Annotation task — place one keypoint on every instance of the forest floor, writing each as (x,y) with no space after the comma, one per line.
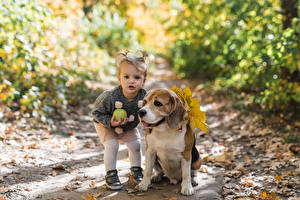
(245,155)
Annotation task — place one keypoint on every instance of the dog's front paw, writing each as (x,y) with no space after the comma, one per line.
(187,190)
(157,178)
(143,185)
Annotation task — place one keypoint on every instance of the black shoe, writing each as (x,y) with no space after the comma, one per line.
(112,180)
(137,173)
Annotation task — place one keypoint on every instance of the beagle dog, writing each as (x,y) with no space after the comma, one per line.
(170,142)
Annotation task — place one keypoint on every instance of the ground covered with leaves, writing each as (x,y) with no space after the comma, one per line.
(261,153)
(256,156)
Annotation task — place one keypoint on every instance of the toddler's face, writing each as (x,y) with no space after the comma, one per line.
(131,79)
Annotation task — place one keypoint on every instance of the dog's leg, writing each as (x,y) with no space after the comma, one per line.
(158,173)
(186,185)
(194,177)
(150,159)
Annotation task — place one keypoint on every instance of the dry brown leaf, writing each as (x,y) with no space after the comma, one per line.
(131,181)
(24,148)
(9,130)
(293,148)
(289,173)
(2,198)
(58,166)
(131,191)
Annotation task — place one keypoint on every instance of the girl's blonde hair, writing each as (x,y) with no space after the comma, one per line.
(135,58)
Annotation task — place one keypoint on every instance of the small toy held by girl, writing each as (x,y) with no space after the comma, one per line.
(122,102)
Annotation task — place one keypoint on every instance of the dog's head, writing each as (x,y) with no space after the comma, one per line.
(161,105)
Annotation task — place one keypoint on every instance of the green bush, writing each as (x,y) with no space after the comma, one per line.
(24,26)
(109,31)
(243,46)
(45,61)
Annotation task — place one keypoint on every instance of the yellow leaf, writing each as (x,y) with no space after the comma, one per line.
(204,170)
(88,197)
(92,184)
(278,178)
(263,195)
(195,115)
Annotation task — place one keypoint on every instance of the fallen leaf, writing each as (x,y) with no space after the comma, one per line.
(47,136)
(24,148)
(92,185)
(131,181)
(88,197)
(217,158)
(131,191)
(204,170)
(71,132)
(58,167)
(278,178)
(96,195)
(2,198)
(288,173)
(265,196)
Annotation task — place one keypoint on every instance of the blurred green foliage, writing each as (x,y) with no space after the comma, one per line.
(108,30)
(242,46)
(48,52)
(46,59)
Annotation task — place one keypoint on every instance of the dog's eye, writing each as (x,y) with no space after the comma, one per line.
(144,102)
(157,103)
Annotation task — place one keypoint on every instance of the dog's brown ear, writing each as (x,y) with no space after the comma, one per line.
(177,115)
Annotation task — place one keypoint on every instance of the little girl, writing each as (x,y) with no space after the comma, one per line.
(132,72)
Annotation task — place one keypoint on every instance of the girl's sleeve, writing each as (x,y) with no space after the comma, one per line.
(102,111)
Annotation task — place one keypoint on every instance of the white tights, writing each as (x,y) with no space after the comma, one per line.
(111,148)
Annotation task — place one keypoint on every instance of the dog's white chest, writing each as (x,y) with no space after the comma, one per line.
(169,142)
(168,147)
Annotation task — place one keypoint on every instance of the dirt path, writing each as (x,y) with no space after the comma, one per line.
(243,158)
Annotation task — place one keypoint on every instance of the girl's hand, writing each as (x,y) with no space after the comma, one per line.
(114,123)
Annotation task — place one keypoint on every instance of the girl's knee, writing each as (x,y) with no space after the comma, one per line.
(134,145)
(111,144)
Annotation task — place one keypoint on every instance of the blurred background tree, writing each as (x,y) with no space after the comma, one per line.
(51,50)
(250,47)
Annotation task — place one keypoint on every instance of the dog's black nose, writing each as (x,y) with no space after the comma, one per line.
(142,113)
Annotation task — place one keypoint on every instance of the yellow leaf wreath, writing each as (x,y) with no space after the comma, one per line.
(195,115)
